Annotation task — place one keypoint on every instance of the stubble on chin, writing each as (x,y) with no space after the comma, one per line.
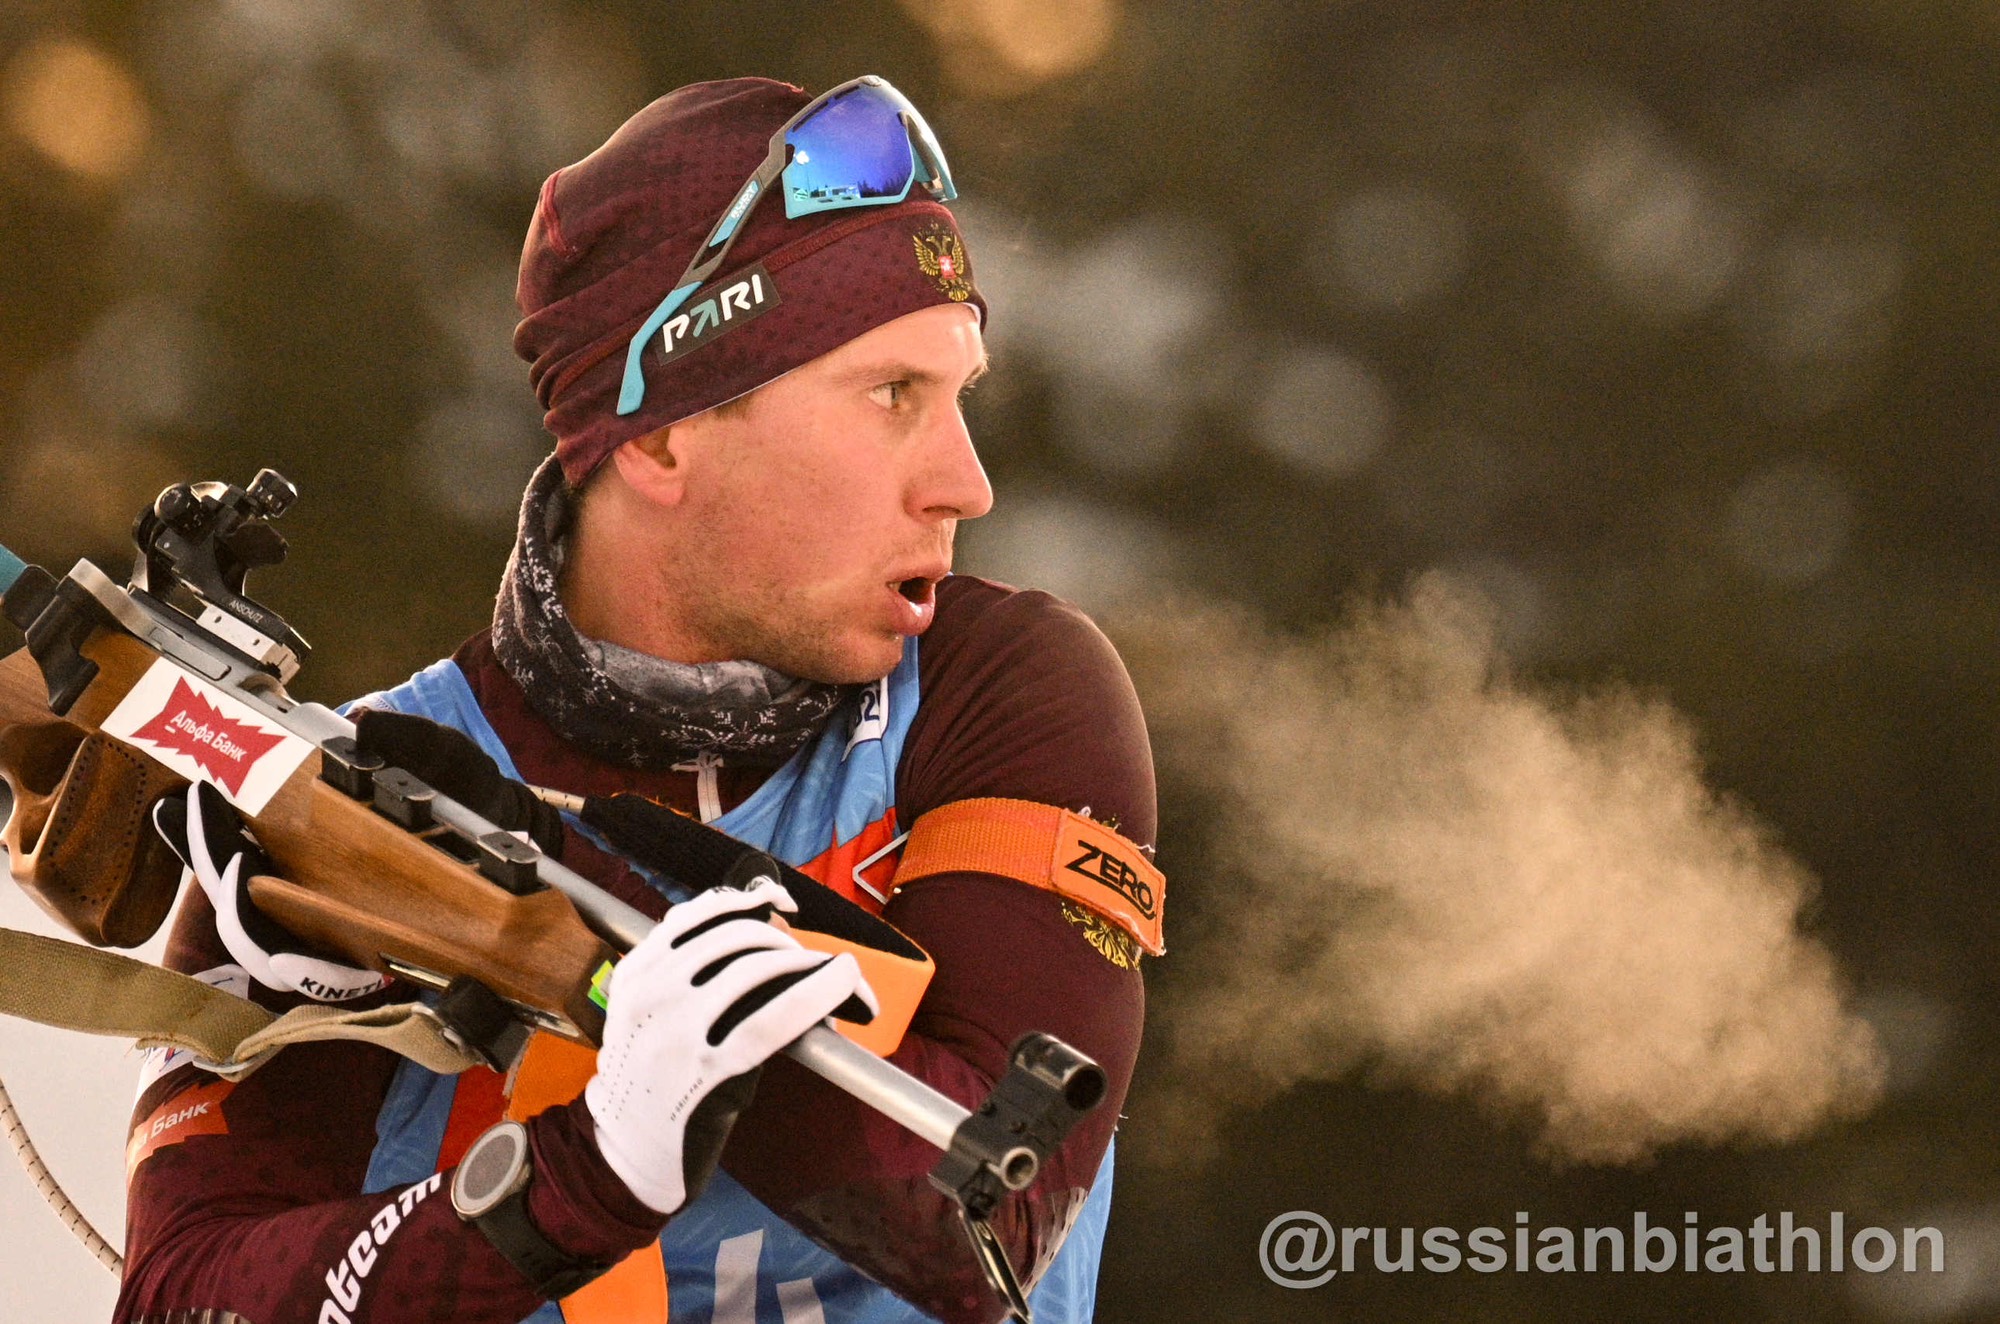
(830,655)
(789,637)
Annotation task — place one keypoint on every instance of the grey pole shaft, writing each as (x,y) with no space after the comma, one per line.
(822,1050)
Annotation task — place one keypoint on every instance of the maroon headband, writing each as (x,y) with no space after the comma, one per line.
(612,232)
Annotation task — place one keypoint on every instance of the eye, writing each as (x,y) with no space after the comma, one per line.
(889,395)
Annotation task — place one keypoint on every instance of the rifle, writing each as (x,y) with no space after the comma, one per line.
(127,693)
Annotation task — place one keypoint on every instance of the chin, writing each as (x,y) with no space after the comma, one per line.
(860,665)
(854,660)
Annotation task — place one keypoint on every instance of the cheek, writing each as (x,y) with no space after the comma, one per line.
(806,516)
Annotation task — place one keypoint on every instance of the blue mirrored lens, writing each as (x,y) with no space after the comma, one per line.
(851,152)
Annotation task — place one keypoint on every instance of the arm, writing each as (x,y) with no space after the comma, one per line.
(1028,701)
(256,1210)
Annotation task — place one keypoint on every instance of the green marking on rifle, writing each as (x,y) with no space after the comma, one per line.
(600,986)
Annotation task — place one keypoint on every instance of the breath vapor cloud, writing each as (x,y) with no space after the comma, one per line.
(1423,867)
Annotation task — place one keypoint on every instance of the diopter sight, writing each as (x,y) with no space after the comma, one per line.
(198,541)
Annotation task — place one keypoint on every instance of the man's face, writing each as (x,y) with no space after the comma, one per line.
(820,515)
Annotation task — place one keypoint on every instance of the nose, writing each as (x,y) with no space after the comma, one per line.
(951,483)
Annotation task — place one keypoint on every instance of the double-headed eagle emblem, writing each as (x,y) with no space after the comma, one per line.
(1111,942)
(941,254)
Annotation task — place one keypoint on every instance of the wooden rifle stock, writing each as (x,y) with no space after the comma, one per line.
(354,884)
(79,840)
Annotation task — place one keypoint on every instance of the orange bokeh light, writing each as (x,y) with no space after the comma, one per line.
(76,105)
(1005,47)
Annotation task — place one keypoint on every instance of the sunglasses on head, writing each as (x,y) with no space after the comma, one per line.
(862,144)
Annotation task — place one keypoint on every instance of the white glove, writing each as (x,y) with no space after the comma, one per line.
(680,1054)
(208,834)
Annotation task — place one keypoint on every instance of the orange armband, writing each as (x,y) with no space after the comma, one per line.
(1045,846)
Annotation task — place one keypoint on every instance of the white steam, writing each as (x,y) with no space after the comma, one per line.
(1424,868)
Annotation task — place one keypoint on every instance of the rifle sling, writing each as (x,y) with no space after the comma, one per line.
(73,987)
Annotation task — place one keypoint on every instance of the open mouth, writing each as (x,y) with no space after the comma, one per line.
(918,589)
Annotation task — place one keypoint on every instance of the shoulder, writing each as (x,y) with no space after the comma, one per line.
(483,672)
(983,624)
(503,704)
(1024,697)
(1008,649)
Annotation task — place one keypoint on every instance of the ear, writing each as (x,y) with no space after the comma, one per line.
(655,465)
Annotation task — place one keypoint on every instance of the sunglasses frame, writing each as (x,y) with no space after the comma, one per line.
(925,155)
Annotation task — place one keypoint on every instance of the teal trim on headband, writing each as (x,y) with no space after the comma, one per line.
(11,567)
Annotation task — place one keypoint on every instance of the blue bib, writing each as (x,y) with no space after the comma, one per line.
(729,1259)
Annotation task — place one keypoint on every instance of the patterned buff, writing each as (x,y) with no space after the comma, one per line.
(623,706)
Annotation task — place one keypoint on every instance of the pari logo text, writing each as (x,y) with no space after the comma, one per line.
(203,733)
(192,726)
(744,299)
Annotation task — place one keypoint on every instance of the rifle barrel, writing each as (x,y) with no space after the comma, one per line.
(890,1091)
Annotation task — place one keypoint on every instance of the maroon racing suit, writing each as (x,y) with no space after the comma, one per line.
(248,1198)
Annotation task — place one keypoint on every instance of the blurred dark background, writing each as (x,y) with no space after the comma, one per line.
(1666,326)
